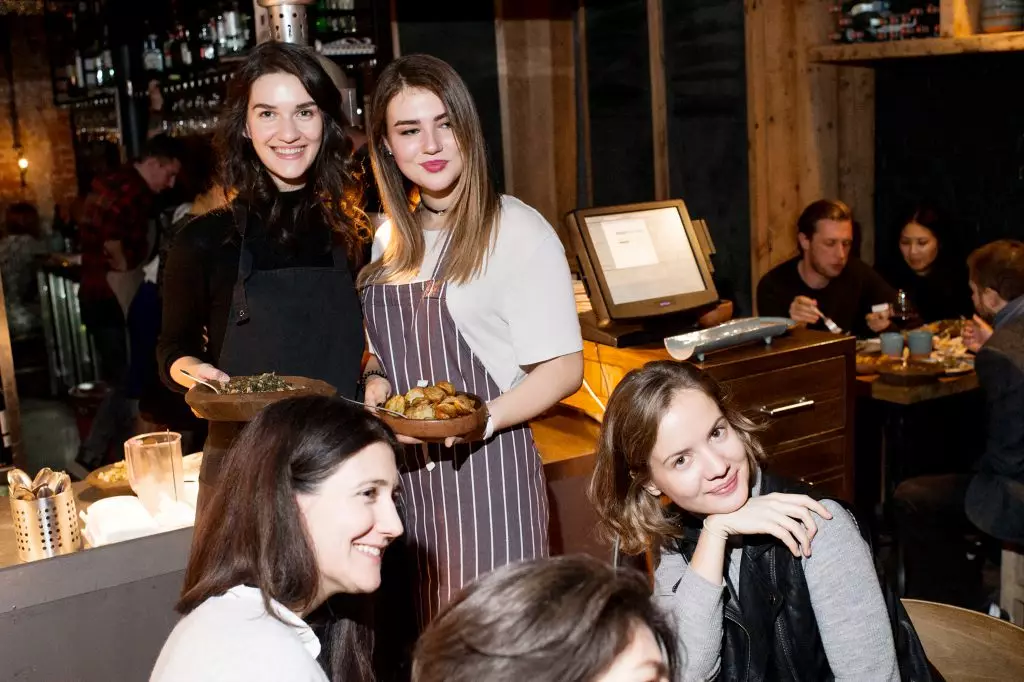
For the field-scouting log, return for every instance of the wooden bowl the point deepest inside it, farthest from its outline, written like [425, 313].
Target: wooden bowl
[242, 407]
[914, 373]
[438, 429]
[113, 487]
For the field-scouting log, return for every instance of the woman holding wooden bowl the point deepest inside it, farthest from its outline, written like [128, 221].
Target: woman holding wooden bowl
[266, 284]
[473, 288]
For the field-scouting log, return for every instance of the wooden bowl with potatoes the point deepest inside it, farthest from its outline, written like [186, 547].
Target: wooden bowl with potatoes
[434, 412]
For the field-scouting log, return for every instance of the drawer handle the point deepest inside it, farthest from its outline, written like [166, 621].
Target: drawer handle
[797, 404]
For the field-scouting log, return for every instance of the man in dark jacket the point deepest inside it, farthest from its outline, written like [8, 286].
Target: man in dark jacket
[933, 511]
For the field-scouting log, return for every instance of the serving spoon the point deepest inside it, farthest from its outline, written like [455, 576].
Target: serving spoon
[373, 407]
[196, 379]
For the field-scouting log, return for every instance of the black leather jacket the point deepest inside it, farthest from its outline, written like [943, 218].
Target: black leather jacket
[774, 635]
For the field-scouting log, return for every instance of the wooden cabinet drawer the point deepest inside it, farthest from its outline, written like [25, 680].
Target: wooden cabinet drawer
[796, 402]
[806, 461]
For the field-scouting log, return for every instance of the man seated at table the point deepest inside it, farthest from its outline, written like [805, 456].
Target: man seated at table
[932, 512]
[824, 280]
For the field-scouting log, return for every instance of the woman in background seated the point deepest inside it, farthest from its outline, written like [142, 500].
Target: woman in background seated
[929, 269]
[305, 512]
[566, 619]
[764, 583]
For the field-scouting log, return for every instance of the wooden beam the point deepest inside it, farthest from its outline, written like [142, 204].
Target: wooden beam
[12, 406]
[865, 53]
[959, 18]
[856, 150]
[583, 114]
[537, 96]
[757, 141]
[659, 109]
[396, 47]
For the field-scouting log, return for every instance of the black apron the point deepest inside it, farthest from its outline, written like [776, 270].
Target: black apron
[303, 321]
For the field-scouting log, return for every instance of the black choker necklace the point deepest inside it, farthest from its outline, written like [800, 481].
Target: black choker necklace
[433, 210]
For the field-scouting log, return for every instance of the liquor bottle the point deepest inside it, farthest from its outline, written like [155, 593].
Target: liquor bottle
[206, 47]
[152, 55]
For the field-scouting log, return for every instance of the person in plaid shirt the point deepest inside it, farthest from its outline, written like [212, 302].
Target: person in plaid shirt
[114, 233]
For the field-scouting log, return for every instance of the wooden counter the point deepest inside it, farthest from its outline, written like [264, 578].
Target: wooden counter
[813, 443]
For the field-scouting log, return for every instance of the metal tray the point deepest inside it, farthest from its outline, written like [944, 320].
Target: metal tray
[726, 335]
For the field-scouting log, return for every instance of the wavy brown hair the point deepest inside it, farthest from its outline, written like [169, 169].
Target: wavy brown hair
[336, 193]
[252, 532]
[563, 619]
[628, 433]
[473, 215]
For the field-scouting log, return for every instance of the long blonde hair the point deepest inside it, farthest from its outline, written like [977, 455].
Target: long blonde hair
[473, 215]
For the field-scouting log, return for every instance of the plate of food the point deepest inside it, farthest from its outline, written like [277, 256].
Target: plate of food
[434, 412]
[242, 397]
[910, 372]
[869, 362]
[112, 479]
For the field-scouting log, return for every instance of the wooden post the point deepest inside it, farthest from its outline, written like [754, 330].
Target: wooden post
[810, 128]
[537, 94]
[12, 406]
[959, 18]
[659, 115]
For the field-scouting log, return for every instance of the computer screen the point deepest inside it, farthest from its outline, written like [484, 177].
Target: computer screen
[644, 255]
[642, 259]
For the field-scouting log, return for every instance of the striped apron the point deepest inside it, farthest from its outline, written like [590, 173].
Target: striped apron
[484, 504]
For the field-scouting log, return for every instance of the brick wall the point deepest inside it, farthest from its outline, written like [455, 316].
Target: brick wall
[45, 128]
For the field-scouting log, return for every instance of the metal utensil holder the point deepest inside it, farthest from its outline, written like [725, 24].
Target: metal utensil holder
[46, 527]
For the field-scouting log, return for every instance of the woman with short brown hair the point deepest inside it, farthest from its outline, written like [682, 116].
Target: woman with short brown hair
[565, 619]
[764, 582]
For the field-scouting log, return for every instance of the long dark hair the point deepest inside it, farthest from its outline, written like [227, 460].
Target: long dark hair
[334, 188]
[252, 531]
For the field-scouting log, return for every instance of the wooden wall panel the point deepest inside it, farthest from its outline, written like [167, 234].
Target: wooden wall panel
[810, 127]
[536, 84]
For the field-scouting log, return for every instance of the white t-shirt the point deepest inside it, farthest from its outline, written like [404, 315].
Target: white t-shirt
[521, 309]
[232, 638]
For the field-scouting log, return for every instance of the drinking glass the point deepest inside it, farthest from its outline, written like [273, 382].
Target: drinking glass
[155, 469]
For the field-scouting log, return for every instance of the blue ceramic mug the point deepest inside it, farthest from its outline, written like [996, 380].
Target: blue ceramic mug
[892, 344]
[920, 342]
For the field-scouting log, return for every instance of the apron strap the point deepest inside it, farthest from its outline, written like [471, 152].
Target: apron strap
[239, 304]
[433, 288]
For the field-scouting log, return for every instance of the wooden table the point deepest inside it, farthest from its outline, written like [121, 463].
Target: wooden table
[868, 385]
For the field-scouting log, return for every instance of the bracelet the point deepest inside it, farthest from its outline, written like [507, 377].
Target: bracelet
[373, 373]
[488, 428]
[713, 533]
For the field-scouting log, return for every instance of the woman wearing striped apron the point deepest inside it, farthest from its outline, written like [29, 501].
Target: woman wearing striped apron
[470, 287]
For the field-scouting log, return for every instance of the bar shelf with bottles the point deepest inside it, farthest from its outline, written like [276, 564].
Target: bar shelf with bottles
[81, 60]
[342, 28]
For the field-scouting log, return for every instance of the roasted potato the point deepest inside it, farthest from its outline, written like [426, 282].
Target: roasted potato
[446, 386]
[424, 410]
[414, 394]
[396, 403]
[465, 402]
[459, 407]
[446, 411]
[434, 394]
[418, 402]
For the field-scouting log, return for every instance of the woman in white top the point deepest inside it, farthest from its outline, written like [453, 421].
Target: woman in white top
[308, 516]
[471, 287]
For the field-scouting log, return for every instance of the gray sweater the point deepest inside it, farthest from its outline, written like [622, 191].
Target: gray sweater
[847, 601]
